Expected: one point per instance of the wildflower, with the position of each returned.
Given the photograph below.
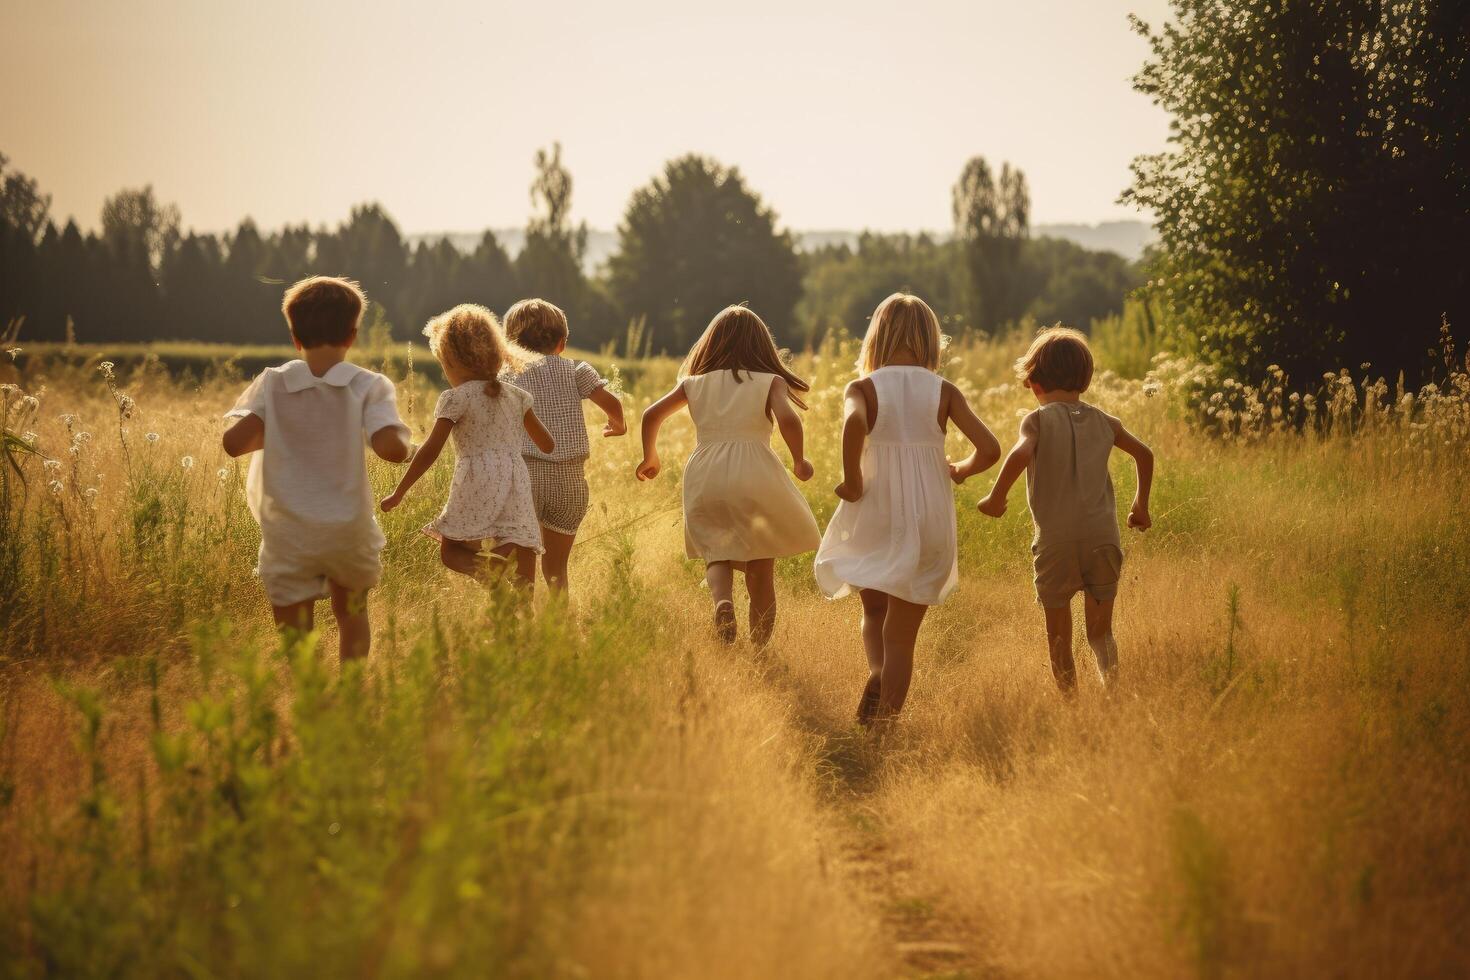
(75, 449)
(106, 368)
(187, 462)
(152, 438)
(14, 352)
(52, 464)
(55, 485)
(6, 389)
(1152, 387)
(125, 406)
(67, 419)
(30, 438)
(223, 473)
(82, 437)
(91, 493)
(29, 404)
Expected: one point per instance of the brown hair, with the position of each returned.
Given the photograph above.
(738, 340)
(536, 325)
(902, 322)
(323, 311)
(1058, 360)
(469, 338)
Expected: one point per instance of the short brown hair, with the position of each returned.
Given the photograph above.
(536, 325)
(1058, 360)
(323, 311)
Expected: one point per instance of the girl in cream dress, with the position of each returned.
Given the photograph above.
(741, 510)
(893, 535)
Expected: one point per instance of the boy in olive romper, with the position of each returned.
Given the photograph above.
(1064, 449)
(558, 385)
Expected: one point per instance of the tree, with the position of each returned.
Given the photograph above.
(369, 248)
(991, 220)
(549, 265)
(694, 240)
(22, 205)
(135, 223)
(1314, 205)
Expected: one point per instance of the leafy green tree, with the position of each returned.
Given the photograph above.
(550, 262)
(23, 207)
(1314, 204)
(135, 222)
(992, 219)
(694, 240)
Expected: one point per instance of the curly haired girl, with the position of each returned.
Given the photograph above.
(490, 498)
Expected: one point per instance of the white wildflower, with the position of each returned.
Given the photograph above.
(1151, 388)
(187, 462)
(152, 438)
(7, 389)
(29, 404)
(55, 485)
(82, 437)
(91, 493)
(223, 473)
(30, 438)
(52, 464)
(14, 352)
(106, 368)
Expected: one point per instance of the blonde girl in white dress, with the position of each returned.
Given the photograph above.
(490, 498)
(741, 510)
(893, 535)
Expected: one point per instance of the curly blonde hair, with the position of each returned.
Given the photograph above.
(902, 322)
(469, 338)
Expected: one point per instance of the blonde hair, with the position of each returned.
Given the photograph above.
(738, 340)
(536, 325)
(902, 322)
(469, 338)
(1059, 359)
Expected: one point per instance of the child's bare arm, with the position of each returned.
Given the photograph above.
(538, 433)
(854, 436)
(391, 443)
(986, 446)
(612, 408)
(653, 420)
(427, 455)
(1143, 461)
(779, 403)
(1020, 456)
(245, 436)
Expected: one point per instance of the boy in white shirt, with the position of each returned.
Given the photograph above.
(308, 487)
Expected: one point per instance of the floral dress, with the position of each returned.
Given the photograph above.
(490, 498)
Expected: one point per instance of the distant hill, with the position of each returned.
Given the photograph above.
(1127, 238)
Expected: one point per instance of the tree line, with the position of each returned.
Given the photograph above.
(693, 239)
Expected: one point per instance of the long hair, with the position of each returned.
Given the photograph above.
(738, 340)
(469, 337)
(902, 322)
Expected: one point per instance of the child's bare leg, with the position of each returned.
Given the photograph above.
(760, 582)
(462, 556)
(1059, 643)
(875, 610)
(900, 631)
(558, 555)
(295, 618)
(525, 559)
(354, 631)
(721, 578)
(1098, 618)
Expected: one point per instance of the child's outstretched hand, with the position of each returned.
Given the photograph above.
(392, 500)
(648, 469)
(614, 427)
(957, 472)
(803, 469)
(1138, 518)
(851, 494)
(992, 506)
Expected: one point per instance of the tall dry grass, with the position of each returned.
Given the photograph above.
(1278, 787)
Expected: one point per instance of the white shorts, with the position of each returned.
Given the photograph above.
(291, 577)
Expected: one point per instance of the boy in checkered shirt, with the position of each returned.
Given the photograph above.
(558, 385)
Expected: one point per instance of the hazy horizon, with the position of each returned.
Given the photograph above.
(839, 116)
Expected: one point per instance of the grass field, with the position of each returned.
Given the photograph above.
(1279, 787)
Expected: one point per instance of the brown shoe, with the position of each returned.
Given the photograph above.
(868, 704)
(725, 621)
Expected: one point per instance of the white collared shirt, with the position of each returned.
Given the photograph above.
(309, 487)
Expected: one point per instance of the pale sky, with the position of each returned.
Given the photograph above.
(842, 115)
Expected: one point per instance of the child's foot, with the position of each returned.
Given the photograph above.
(725, 621)
(868, 703)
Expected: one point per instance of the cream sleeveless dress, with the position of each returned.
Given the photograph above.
(899, 538)
(739, 502)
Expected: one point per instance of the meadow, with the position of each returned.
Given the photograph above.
(1278, 788)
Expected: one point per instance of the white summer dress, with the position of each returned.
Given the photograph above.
(490, 498)
(739, 502)
(899, 537)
